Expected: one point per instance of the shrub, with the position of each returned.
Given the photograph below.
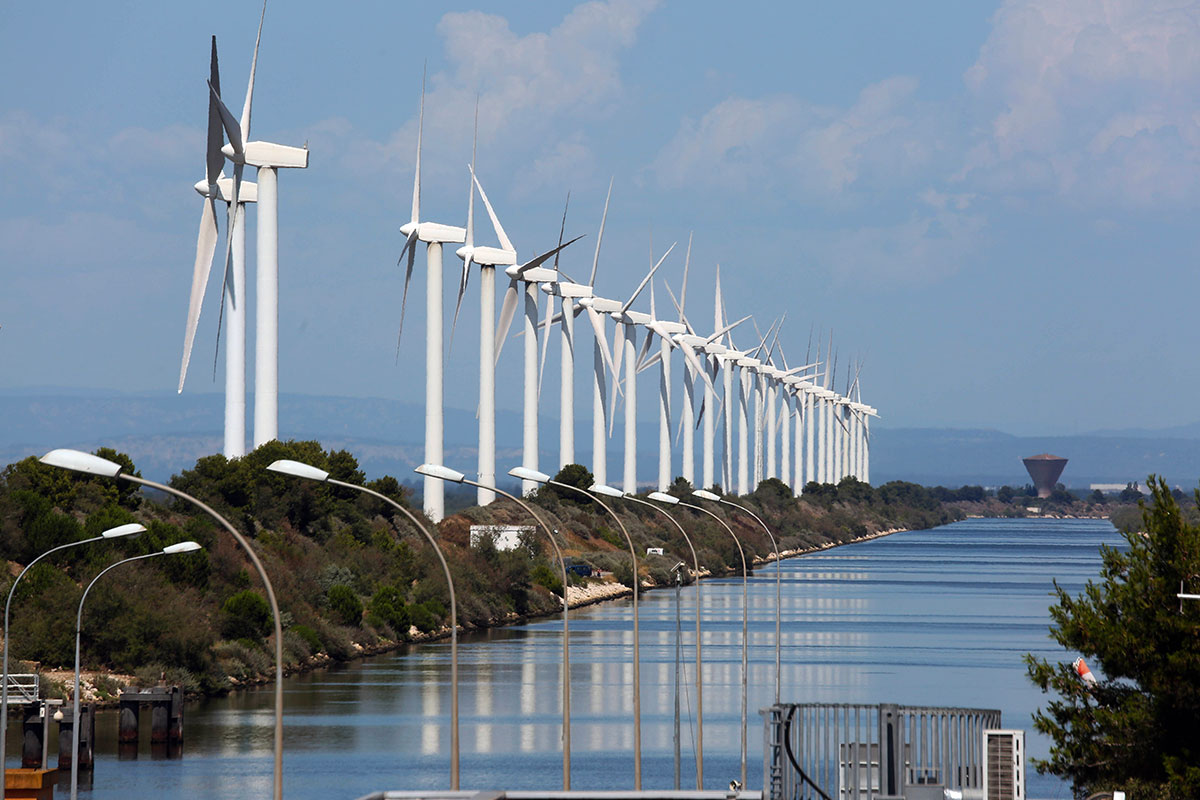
(345, 605)
(245, 615)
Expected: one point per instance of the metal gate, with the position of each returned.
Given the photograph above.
(826, 751)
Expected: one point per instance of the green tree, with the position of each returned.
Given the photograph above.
(245, 615)
(1136, 728)
(1097, 497)
(1005, 494)
(345, 605)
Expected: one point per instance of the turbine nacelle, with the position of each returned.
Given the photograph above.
(602, 304)
(748, 363)
(691, 340)
(268, 154)
(633, 318)
(532, 274)
(223, 190)
(669, 329)
(488, 256)
(715, 349)
(564, 289)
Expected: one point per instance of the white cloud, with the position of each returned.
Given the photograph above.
(1096, 101)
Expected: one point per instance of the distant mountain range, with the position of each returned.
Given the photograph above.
(165, 433)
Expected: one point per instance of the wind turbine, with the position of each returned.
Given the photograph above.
(488, 258)
(215, 186)
(532, 275)
(268, 158)
(434, 235)
(627, 339)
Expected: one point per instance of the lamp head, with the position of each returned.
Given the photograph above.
(298, 469)
(663, 497)
(527, 474)
(131, 529)
(443, 473)
(82, 462)
(678, 566)
(704, 494)
(181, 547)
(607, 491)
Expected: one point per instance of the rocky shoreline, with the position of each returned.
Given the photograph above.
(590, 593)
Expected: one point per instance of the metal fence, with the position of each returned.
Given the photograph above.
(22, 688)
(823, 751)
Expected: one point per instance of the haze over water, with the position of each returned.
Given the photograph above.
(939, 617)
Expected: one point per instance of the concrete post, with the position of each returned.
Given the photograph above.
(160, 712)
(127, 727)
(33, 728)
(175, 730)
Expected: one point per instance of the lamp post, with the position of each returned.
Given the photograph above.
(299, 469)
(95, 465)
(112, 533)
(443, 473)
(182, 547)
(663, 497)
(745, 623)
(608, 491)
(706, 495)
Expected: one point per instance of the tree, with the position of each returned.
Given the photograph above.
(1135, 729)
(1097, 497)
(1005, 494)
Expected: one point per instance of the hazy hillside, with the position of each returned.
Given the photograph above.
(165, 433)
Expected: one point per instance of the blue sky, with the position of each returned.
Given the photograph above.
(991, 204)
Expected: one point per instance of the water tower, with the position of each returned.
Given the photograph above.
(1045, 471)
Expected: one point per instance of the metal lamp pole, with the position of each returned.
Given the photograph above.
(299, 469)
(443, 473)
(112, 533)
(663, 497)
(705, 495)
(182, 547)
(745, 623)
(95, 465)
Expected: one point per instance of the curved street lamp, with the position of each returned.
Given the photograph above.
(608, 491)
(169, 550)
(112, 533)
(95, 465)
(663, 497)
(706, 495)
(444, 473)
(298, 469)
(745, 623)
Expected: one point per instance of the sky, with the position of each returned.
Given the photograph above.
(989, 204)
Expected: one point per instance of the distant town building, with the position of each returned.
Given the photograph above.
(1045, 471)
(1117, 488)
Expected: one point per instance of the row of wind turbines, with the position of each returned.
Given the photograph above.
(777, 421)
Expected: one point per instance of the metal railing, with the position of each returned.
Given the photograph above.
(22, 688)
(825, 751)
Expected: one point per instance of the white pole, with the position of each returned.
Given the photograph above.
(664, 415)
(867, 449)
(785, 441)
(756, 382)
(435, 506)
(829, 476)
(810, 418)
(566, 419)
(235, 342)
(487, 384)
(688, 468)
(839, 441)
(798, 482)
(772, 472)
(710, 428)
(743, 434)
(529, 437)
(822, 475)
(599, 434)
(266, 340)
(629, 480)
(727, 460)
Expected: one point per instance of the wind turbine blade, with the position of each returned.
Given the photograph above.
(600, 238)
(653, 313)
(728, 328)
(598, 329)
(783, 358)
(618, 363)
(416, 202)
(546, 341)
(649, 362)
(231, 221)
(508, 310)
(206, 246)
(645, 351)
(646, 279)
(690, 357)
(411, 247)
(462, 290)
(718, 304)
(539, 260)
(253, 66)
(665, 393)
(504, 242)
(550, 321)
(232, 128)
(216, 134)
(678, 307)
(562, 229)
(687, 260)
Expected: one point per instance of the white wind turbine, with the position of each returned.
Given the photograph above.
(625, 343)
(268, 158)
(532, 275)
(214, 187)
(434, 235)
(488, 258)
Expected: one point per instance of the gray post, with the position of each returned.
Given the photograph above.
(127, 727)
(34, 729)
(175, 728)
(160, 712)
(65, 726)
(87, 724)
(678, 654)
(891, 753)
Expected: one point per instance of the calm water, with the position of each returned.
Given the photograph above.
(939, 617)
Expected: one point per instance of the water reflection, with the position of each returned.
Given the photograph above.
(936, 617)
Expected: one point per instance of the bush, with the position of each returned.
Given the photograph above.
(345, 605)
(245, 615)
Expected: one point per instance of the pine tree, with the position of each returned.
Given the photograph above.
(1138, 727)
